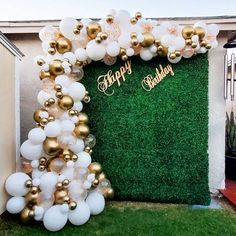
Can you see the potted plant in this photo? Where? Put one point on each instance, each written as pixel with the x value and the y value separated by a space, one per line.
pixel 230 146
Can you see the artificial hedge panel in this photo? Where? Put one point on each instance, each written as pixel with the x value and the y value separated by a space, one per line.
pixel 153 145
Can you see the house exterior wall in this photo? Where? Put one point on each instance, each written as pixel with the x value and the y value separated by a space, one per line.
pixel 7 120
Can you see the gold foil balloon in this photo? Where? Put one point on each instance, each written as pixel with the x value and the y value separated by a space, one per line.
pixel 200 32
pixel 26 166
pixel 108 192
pixel 93 28
pixel 95 168
pixel 66 102
pixel 148 39
pixel 55 67
pixel 51 146
pixel 188 32
pixel 83 118
pixel 27 215
pixel 101 177
pixel 36 115
pixel 63 45
pixel 32 197
pixel 81 131
pixel 61 196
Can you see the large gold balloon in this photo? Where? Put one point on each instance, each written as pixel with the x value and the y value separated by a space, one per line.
pixel 200 32
pixel 51 146
pixel 108 192
pixel 83 118
pixel 63 45
pixel 27 215
pixel 81 131
pixel 93 28
pixel 188 32
pixel 162 52
pixel 66 102
pixel 148 39
pixel 36 115
pixel 95 168
pixel 55 67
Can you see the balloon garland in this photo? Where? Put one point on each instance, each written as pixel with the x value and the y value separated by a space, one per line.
pixel 59 182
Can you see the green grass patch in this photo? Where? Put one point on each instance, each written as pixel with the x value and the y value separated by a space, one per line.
pixel 131 220
pixel 153 145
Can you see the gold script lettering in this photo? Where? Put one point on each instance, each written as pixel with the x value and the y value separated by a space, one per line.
pixel 107 80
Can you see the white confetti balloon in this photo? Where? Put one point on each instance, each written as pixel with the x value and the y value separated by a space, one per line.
pixel 80 215
pixel 77 91
pixel 55 217
pixel 36 136
pixel 15 184
pixel 31 151
pixel 96 203
pixel 15 205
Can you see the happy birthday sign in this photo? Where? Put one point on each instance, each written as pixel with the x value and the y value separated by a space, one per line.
pixel 109 79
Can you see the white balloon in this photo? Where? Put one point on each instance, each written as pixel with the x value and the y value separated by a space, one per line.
pixel 67 26
pixel 84 159
pixel 95 50
pixel 77 91
pixel 176 60
pixel 96 203
pixel 67 126
pixel 179 43
pixel 78 106
pixel 113 49
pixel 130 52
pixel 55 218
pixel 70 56
pixel 123 16
pixel 15 184
pixel 52 129
pixel 213 29
pixel 200 24
pixel 36 173
pixel 48 182
pixel 15 205
pixel 43 97
pixel 78 146
pixel 36 135
pixel 124 41
pixel 31 151
pixel 167 40
pixel 63 80
pixel 145 54
pixel 80 215
pixel 81 54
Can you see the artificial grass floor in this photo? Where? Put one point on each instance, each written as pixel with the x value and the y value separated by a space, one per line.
pixel 124 218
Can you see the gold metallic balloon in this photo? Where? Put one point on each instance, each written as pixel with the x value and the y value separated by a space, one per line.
pixel 101 177
pixel 27 215
pixel 188 32
pixel 162 51
pixel 26 167
pixel 36 115
pixel 188 41
pixel 124 57
pixel 203 43
pixel 63 45
pixel 83 118
pixel 51 146
pixel 148 39
pixel 32 197
pixel 200 32
pixel 133 20
pixel 138 15
pixel 40 62
pixel 72 205
pixel 93 28
pixel 45 74
pixel 108 192
pixel 51 51
pixel 61 196
pixel 95 168
pixel 55 67
pixel 177 53
pixel 194 45
pixel 172 56
pixel 81 131
pixel 95 183
pixel 66 102
pixel 109 19
pixel 28 183
pixel 208 46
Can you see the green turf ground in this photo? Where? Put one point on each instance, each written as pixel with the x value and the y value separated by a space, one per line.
pixel 139 220
pixel 153 145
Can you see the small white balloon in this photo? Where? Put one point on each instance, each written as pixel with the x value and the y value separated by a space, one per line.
pixel 96 203
pixel 145 54
pixel 95 51
pixel 67 26
pixel 31 151
pixel 36 135
pixel 70 56
pixel 43 97
pixel 77 91
pixel 84 159
pixel 78 146
pixel 48 182
pixel 15 184
pixel 15 205
pixel 52 129
pixel 113 49
pixel 78 106
pixel 124 41
pixel 54 218
pixel 63 80
pixel 67 126
pixel 80 215
pixel 176 60
pixel 81 54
